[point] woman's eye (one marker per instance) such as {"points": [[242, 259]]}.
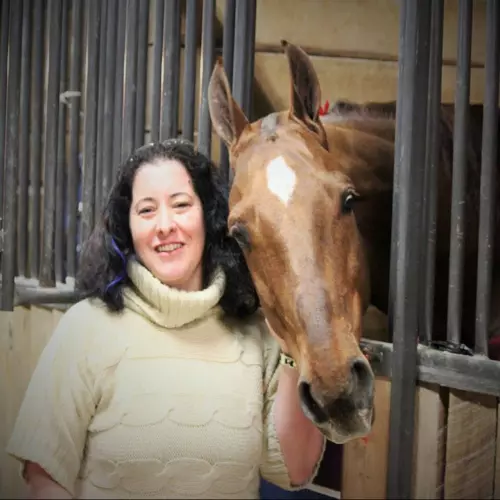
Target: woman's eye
{"points": [[145, 210]]}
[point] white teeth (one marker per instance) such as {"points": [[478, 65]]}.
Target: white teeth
{"points": [[168, 248]]}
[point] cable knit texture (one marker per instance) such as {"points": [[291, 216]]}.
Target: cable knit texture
{"points": [[168, 399]]}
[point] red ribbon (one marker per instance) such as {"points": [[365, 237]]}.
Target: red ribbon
{"points": [[323, 110]]}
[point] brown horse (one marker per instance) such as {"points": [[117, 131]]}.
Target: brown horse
{"points": [[311, 206]]}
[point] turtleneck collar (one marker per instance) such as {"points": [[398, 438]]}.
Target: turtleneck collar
{"points": [[167, 306]]}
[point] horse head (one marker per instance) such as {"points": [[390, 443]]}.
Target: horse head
{"points": [[291, 211]]}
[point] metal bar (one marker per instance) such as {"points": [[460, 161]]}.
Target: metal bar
{"points": [[101, 124], [130, 82], [410, 164], [207, 64], [188, 102], [250, 58], [119, 85], [74, 176], [47, 277], [24, 127], [11, 157], [36, 136], [4, 51], [241, 50], [400, 105], [228, 61], [172, 49], [59, 249], [489, 158], [431, 173], [109, 89], [156, 84], [459, 182], [142, 62], [27, 293], [456, 371], [90, 124]]}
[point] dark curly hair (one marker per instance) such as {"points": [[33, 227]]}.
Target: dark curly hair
{"points": [[102, 257]]}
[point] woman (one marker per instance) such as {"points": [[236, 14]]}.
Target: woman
{"points": [[164, 381]]}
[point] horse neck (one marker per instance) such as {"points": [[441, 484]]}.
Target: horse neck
{"points": [[364, 150]]}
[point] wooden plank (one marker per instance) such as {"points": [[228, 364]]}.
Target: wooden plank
{"points": [[24, 334], [430, 441], [6, 333], [496, 493], [470, 448], [364, 465], [353, 27]]}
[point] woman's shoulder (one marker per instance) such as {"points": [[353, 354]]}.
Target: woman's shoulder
{"points": [[254, 327], [88, 324], [89, 311], [253, 324], [88, 335]]}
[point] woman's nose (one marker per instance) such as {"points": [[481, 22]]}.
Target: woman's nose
{"points": [[165, 221]]}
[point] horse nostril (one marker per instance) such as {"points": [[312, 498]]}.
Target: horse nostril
{"points": [[361, 373], [310, 403]]}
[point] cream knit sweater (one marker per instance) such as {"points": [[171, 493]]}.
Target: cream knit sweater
{"points": [[166, 400]]}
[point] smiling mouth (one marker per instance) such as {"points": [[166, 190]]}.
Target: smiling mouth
{"points": [[170, 248]]}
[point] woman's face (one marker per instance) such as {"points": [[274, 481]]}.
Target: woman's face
{"points": [[166, 222]]}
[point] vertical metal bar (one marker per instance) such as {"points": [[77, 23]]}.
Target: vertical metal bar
{"points": [[489, 158], [142, 62], [109, 89], [130, 82], [172, 48], [228, 61], [101, 124], [410, 164], [189, 86], [12, 157], [207, 60], [431, 172], [90, 125], [47, 277], [157, 58], [74, 177], [241, 51], [119, 85], [59, 249], [4, 51], [459, 182], [400, 108], [250, 57], [24, 118], [36, 136]]}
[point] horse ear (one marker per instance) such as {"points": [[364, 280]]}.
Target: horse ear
{"points": [[227, 117], [305, 92]]}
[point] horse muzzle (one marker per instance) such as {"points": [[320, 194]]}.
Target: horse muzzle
{"points": [[348, 412]]}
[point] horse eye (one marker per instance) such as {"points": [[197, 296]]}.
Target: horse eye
{"points": [[240, 233], [348, 198]]}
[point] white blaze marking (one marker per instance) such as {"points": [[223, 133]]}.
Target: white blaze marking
{"points": [[281, 179]]}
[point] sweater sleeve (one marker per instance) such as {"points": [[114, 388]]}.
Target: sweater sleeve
{"points": [[273, 468], [58, 404]]}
